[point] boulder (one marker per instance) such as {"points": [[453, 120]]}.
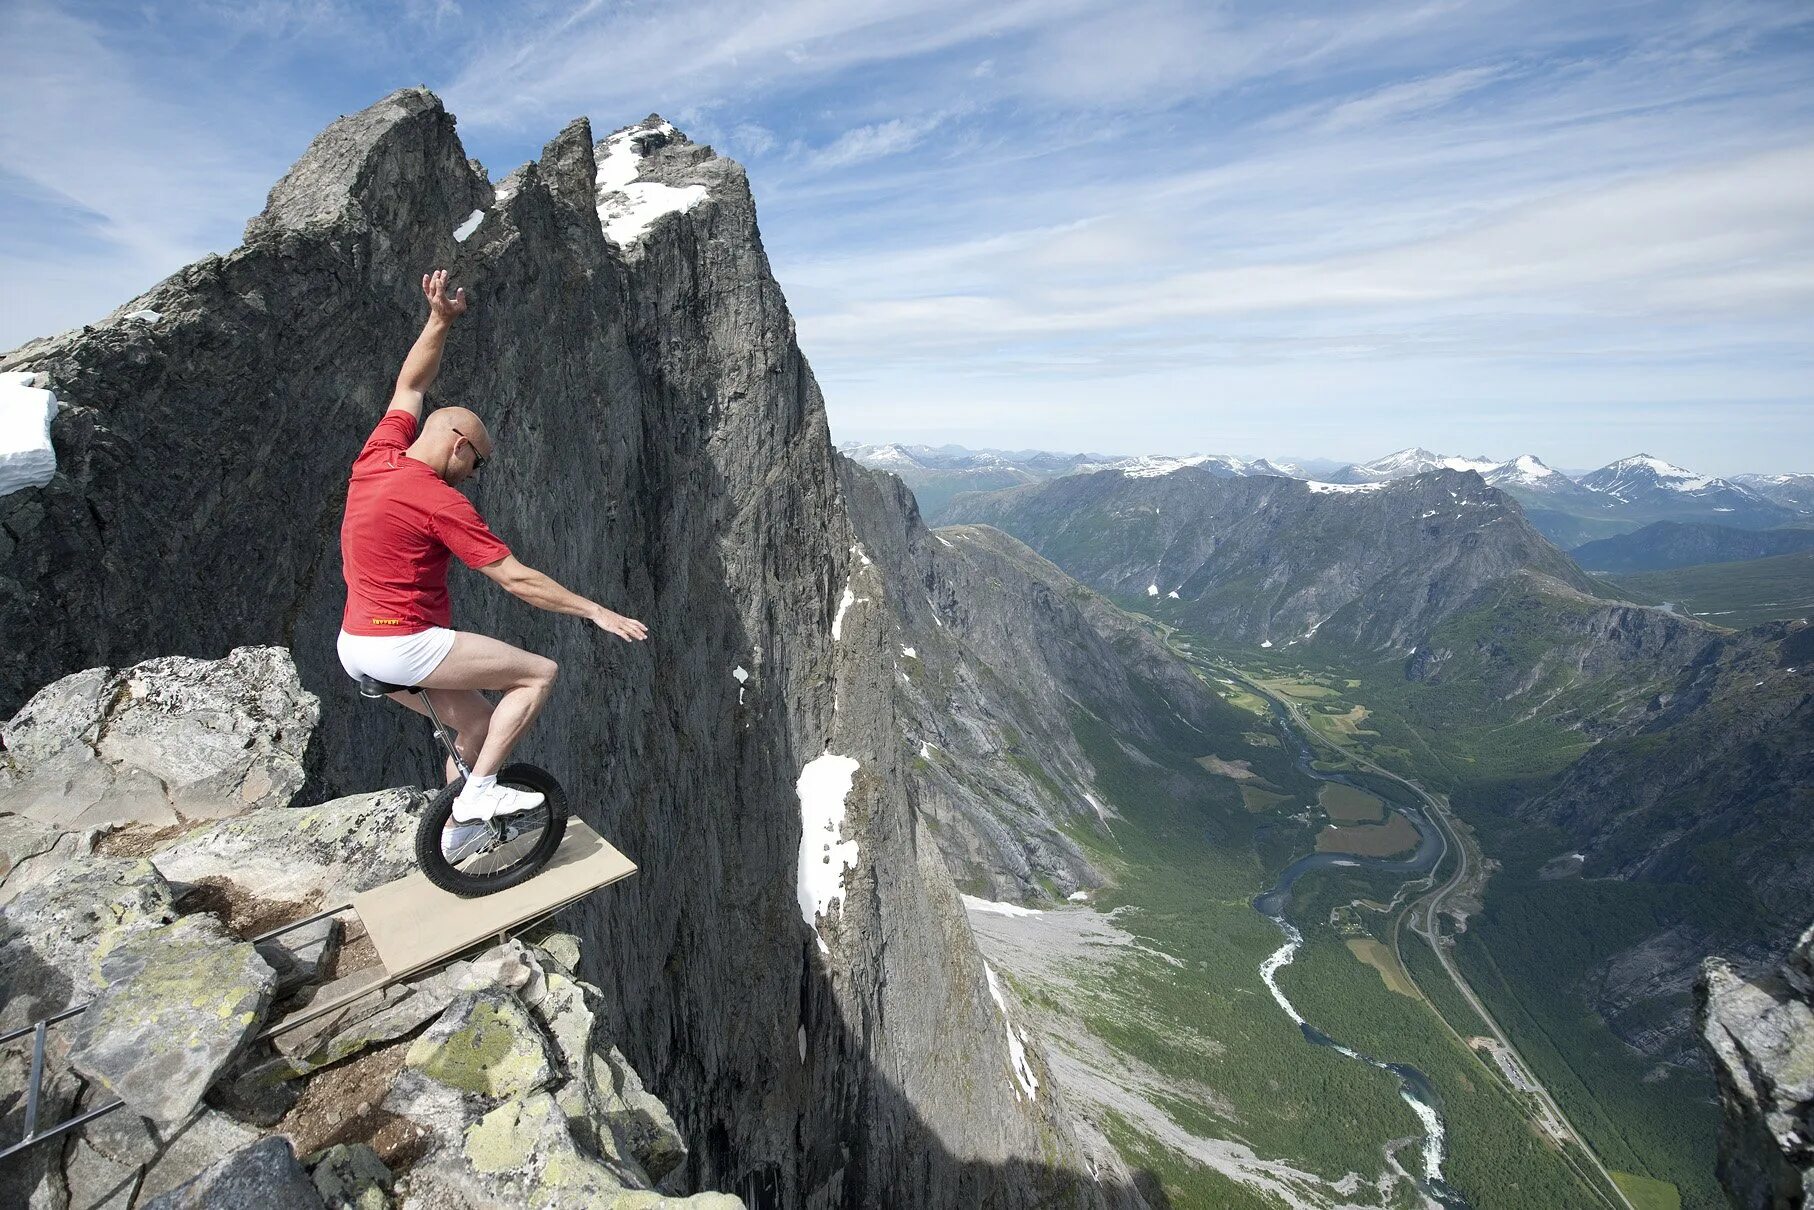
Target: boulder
{"points": [[264, 1176], [52, 934], [1759, 1033], [166, 739], [485, 1045], [31, 850], [190, 1148], [309, 855], [179, 1003], [302, 955], [351, 1177]]}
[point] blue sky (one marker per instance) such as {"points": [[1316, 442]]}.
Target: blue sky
{"points": [[1332, 230]]}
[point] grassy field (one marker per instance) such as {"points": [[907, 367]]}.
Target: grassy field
{"points": [[1255, 799], [1397, 835], [1729, 594], [1345, 804], [1648, 1194], [1382, 960]]}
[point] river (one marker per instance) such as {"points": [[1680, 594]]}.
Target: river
{"points": [[1413, 1085]]}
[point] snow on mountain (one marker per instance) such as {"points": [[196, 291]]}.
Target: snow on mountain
{"points": [[1792, 491], [1526, 470], [889, 457], [1413, 461], [1630, 477], [1150, 466]]}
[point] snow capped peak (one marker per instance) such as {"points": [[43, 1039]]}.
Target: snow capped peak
{"points": [[1151, 466], [1524, 469], [1418, 461], [885, 457], [628, 207], [1641, 471]]}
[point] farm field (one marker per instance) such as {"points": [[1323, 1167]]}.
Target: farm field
{"points": [[1397, 835]]}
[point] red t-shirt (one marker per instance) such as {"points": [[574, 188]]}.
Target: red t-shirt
{"points": [[402, 521]]}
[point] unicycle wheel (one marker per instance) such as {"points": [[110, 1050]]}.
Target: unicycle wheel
{"points": [[519, 846]]}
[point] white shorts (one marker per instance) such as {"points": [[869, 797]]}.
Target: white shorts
{"points": [[396, 659]]}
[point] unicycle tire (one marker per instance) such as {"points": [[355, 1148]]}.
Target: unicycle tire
{"points": [[537, 853]]}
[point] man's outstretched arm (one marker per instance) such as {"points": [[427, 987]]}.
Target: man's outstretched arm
{"points": [[424, 360], [527, 584]]}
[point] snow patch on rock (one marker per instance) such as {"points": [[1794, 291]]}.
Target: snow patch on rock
{"points": [[627, 207], [27, 458], [997, 909], [1023, 1072], [464, 231], [824, 852]]}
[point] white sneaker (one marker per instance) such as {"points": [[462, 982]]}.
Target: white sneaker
{"points": [[488, 802], [463, 840]]}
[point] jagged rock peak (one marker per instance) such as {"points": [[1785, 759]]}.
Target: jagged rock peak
{"points": [[1760, 1036], [377, 161], [648, 170]]}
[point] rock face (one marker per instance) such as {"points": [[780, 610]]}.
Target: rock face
{"points": [[1701, 785], [1759, 1034], [1276, 561], [662, 447], [166, 739], [999, 657]]}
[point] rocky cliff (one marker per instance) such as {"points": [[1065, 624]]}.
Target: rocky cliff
{"points": [[661, 446], [997, 657], [1759, 1034], [1704, 789], [1271, 561], [153, 820]]}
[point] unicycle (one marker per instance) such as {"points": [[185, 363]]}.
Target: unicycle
{"points": [[516, 847]]}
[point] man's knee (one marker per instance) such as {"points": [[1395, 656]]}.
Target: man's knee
{"points": [[542, 673]]}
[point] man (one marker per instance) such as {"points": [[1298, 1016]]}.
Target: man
{"points": [[403, 519]]}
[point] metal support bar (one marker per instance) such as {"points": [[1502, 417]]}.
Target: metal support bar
{"points": [[291, 927], [37, 1079], [61, 1128], [50, 1020]]}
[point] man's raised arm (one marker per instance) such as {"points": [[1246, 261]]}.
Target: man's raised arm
{"points": [[424, 360]]}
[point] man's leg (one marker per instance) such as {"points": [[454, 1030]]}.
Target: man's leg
{"points": [[465, 711], [478, 662]]}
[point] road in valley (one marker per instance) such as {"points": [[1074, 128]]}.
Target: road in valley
{"points": [[1425, 917]]}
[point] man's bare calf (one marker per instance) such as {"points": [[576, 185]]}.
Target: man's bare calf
{"points": [[478, 662]]}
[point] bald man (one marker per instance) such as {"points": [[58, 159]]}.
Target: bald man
{"points": [[403, 520]]}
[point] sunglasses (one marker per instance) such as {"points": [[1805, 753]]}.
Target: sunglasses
{"points": [[478, 459]]}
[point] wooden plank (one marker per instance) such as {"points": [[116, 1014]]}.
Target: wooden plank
{"points": [[415, 924]]}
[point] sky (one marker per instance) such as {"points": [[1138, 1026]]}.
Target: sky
{"points": [[1267, 229]]}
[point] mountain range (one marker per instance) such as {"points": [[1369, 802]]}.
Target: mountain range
{"points": [[1616, 498]]}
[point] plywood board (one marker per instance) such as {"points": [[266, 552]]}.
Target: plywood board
{"points": [[414, 923]]}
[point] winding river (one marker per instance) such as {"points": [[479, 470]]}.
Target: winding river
{"points": [[1413, 1085]]}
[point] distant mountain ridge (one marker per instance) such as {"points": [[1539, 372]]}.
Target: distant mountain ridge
{"points": [[1273, 561], [1666, 544], [1617, 498]]}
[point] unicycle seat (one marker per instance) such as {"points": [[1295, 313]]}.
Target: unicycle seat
{"points": [[371, 686]]}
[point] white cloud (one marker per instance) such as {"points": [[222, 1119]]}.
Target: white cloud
{"points": [[863, 143]]}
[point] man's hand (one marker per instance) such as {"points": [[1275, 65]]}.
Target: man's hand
{"points": [[627, 629], [442, 305]]}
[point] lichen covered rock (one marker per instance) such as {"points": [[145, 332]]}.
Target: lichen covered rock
{"points": [[178, 1005], [318, 855], [484, 1045], [351, 1178]]}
